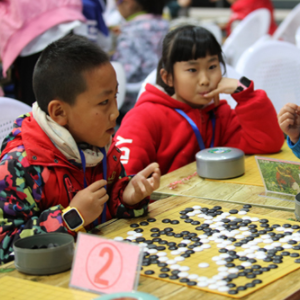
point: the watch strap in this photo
(243, 84)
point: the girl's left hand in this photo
(225, 86)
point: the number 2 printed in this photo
(98, 275)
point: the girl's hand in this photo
(140, 186)
(289, 121)
(225, 86)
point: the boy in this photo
(289, 122)
(53, 165)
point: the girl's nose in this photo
(203, 80)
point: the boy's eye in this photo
(104, 102)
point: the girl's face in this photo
(195, 78)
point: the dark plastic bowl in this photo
(44, 261)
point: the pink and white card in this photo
(105, 266)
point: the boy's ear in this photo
(58, 112)
(166, 77)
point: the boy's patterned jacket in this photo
(37, 182)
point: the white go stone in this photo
(175, 267)
(246, 233)
(242, 212)
(131, 237)
(287, 246)
(217, 277)
(254, 248)
(222, 269)
(131, 232)
(202, 278)
(223, 274)
(175, 252)
(254, 219)
(163, 258)
(118, 238)
(211, 280)
(202, 236)
(221, 262)
(239, 236)
(246, 246)
(191, 214)
(221, 283)
(268, 241)
(279, 228)
(183, 274)
(204, 241)
(202, 284)
(205, 246)
(182, 249)
(227, 242)
(193, 276)
(138, 234)
(230, 247)
(184, 268)
(248, 251)
(233, 270)
(170, 261)
(251, 255)
(221, 245)
(185, 241)
(179, 258)
(203, 265)
(223, 289)
(152, 251)
(208, 222)
(269, 247)
(244, 228)
(196, 207)
(265, 236)
(212, 286)
(212, 238)
(198, 249)
(258, 240)
(208, 217)
(215, 258)
(224, 255)
(246, 264)
(160, 254)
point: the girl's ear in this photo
(58, 112)
(166, 77)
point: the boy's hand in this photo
(90, 201)
(225, 86)
(140, 186)
(289, 121)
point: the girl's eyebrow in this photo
(214, 58)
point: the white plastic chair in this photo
(151, 78)
(10, 110)
(274, 66)
(246, 33)
(287, 29)
(121, 78)
(297, 37)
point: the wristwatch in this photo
(73, 219)
(243, 84)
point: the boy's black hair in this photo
(186, 43)
(58, 74)
(152, 6)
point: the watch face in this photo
(73, 219)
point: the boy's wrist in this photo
(73, 219)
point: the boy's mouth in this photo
(110, 131)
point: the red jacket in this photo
(154, 132)
(241, 8)
(37, 182)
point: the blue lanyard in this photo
(104, 165)
(196, 130)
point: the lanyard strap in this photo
(196, 130)
(104, 166)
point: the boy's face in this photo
(195, 78)
(93, 116)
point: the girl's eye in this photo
(212, 67)
(192, 70)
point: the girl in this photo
(182, 114)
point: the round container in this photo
(44, 261)
(220, 163)
(134, 295)
(297, 207)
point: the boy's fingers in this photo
(149, 170)
(100, 193)
(103, 200)
(97, 185)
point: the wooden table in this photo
(284, 288)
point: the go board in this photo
(16, 288)
(231, 253)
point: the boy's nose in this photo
(115, 112)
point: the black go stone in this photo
(163, 275)
(178, 235)
(164, 269)
(152, 246)
(230, 265)
(140, 239)
(232, 239)
(134, 225)
(257, 272)
(151, 220)
(183, 217)
(223, 250)
(245, 209)
(294, 255)
(195, 223)
(154, 229)
(144, 223)
(297, 261)
(296, 247)
(189, 209)
(148, 242)
(229, 259)
(185, 255)
(188, 220)
(292, 242)
(251, 275)
(243, 258)
(295, 227)
(163, 242)
(156, 234)
(233, 211)
(257, 281)
(242, 274)
(232, 276)
(184, 280)
(156, 240)
(250, 285)
(162, 265)
(247, 206)
(232, 292)
(173, 248)
(175, 272)
(138, 230)
(241, 288)
(149, 272)
(273, 266)
(170, 233)
(173, 277)
(166, 220)
(286, 225)
(192, 283)
(279, 248)
(238, 244)
(264, 221)
(240, 267)
(265, 269)
(174, 222)
(160, 248)
(231, 285)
